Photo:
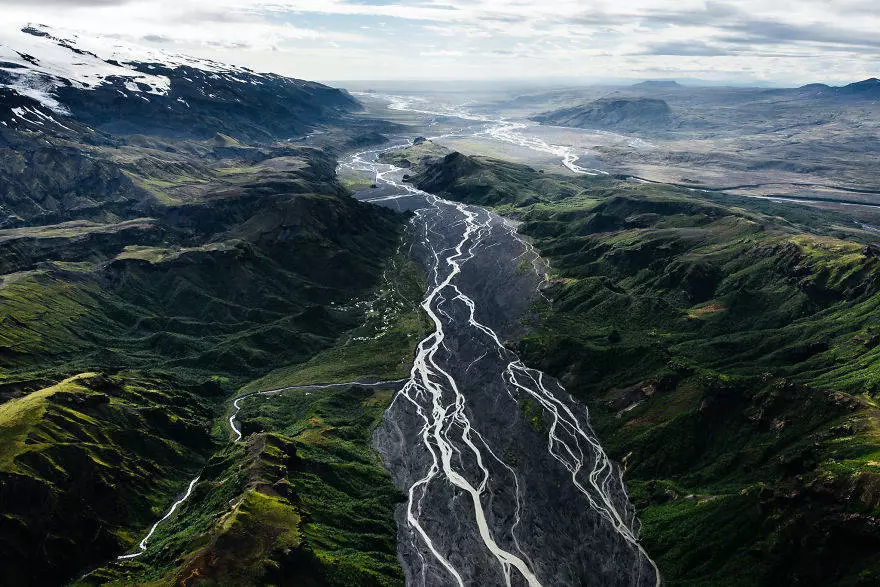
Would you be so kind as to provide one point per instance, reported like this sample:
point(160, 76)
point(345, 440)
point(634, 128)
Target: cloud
point(157, 39)
point(772, 32)
point(338, 39)
point(229, 45)
point(441, 53)
point(686, 48)
point(65, 3)
point(733, 24)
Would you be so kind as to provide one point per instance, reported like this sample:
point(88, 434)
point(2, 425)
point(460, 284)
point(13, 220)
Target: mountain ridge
point(49, 77)
point(171, 229)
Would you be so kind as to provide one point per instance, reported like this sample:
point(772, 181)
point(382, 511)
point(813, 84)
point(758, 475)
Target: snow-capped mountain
point(60, 80)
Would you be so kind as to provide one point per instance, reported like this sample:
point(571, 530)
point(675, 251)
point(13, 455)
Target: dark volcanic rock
point(200, 103)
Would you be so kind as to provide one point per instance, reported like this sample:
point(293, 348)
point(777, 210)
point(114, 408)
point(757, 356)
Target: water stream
point(506, 482)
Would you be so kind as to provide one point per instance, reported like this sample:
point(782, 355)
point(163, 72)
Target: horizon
point(441, 85)
point(737, 43)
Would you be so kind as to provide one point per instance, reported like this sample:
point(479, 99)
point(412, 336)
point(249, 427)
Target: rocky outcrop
point(42, 183)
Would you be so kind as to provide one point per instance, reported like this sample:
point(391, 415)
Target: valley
point(472, 414)
point(716, 341)
point(262, 331)
point(147, 275)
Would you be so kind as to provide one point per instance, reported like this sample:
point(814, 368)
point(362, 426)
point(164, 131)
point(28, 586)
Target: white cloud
point(789, 41)
point(441, 53)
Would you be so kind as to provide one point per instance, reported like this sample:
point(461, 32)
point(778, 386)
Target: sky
point(769, 42)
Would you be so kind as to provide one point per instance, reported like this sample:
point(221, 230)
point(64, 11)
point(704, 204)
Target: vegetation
point(155, 256)
point(250, 259)
point(380, 349)
point(479, 180)
point(305, 499)
point(86, 463)
point(728, 349)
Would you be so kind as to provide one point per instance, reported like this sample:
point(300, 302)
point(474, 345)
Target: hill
point(728, 351)
point(868, 89)
point(164, 242)
point(660, 84)
point(616, 113)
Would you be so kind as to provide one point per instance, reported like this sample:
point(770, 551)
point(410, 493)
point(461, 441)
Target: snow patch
point(43, 61)
point(40, 60)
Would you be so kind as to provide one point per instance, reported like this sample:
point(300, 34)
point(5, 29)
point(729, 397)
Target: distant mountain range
point(658, 84)
point(866, 89)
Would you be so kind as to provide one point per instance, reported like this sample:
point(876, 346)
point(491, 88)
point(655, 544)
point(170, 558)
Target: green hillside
point(728, 350)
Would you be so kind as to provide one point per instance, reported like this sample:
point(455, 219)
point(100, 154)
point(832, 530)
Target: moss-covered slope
point(728, 350)
point(304, 499)
point(228, 261)
point(86, 462)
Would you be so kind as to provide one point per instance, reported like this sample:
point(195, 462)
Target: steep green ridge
point(304, 499)
point(728, 349)
point(86, 462)
point(216, 263)
point(230, 284)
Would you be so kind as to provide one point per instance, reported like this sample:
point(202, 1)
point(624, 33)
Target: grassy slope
point(305, 500)
point(86, 462)
point(478, 180)
point(379, 349)
point(726, 361)
point(221, 286)
point(729, 351)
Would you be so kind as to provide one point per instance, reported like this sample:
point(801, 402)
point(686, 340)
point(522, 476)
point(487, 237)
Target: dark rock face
point(619, 113)
point(10, 99)
point(41, 182)
point(252, 107)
